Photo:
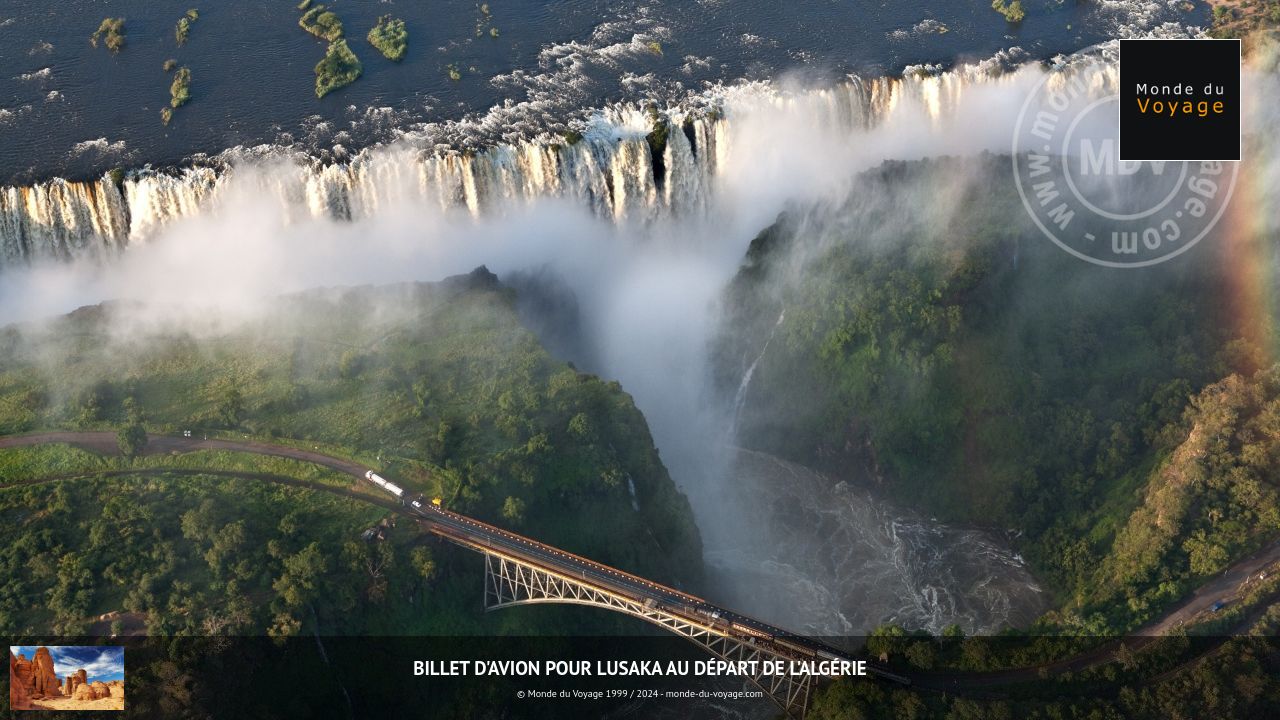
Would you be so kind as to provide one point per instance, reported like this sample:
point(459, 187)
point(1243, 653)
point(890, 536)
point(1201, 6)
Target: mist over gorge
point(646, 232)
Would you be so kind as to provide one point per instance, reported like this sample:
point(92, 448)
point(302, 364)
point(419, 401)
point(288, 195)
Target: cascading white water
point(611, 169)
point(740, 398)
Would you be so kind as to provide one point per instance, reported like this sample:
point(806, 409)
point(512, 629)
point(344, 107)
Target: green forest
point(1126, 425)
point(437, 386)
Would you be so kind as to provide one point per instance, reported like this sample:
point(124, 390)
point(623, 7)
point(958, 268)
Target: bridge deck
point(482, 537)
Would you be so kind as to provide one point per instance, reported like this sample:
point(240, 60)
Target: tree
point(422, 561)
point(231, 407)
point(132, 439)
point(513, 510)
point(922, 654)
point(349, 365)
point(580, 427)
point(302, 572)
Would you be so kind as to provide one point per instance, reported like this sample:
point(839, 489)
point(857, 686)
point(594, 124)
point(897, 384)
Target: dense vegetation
point(1248, 19)
point(111, 32)
point(190, 556)
point(981, 372)
point(182, 30)
point(390, 37)
point(322, 23)
point(339, 67)
point(180, 88)
point(1126, 424)
point(1235, 680)
point(1012, 11)
point(437, 386)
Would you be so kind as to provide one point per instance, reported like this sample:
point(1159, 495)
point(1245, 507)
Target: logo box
point(1180, 100)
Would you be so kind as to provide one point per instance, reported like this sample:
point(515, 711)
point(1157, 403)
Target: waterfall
point(610, 167)
point(740, 398)
point(631, 488)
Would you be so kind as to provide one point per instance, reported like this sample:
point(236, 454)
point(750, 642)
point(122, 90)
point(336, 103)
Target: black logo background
point(1181, 137)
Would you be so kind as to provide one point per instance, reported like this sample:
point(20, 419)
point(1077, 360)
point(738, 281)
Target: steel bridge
point(522, 571)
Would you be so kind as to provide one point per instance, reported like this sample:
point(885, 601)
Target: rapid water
point(72, 110)
point(613, 170)
point(840, 561)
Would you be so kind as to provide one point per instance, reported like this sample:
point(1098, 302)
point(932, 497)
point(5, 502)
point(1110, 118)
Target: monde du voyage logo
point(1136, 177)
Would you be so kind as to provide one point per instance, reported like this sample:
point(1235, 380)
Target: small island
point(322, 23)
point(1012, 11)
point(339, 68)
point(183, 28)
point(111, 32)
point(390, 37)
point(180, 90)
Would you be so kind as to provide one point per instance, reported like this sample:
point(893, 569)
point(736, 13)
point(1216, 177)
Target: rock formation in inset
point(19, 697)
point(34, 686)
point(74, 680)
point(44, 680)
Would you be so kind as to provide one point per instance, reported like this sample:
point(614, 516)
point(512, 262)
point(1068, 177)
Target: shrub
point(180, 90)
point(339, 67)
point(132, 439)
point(111, 32)
point(390, 37)
point(1012, 12)
point(321, 23)
point(183, 28)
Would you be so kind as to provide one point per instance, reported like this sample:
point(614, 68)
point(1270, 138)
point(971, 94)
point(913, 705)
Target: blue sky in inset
point(101, 663)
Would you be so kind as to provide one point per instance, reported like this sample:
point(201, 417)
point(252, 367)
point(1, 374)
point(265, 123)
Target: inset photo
point(66, 677)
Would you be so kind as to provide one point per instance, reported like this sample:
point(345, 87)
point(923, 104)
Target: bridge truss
point(509, 581)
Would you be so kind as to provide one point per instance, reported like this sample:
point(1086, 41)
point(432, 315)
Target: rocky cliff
point(19, 698)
